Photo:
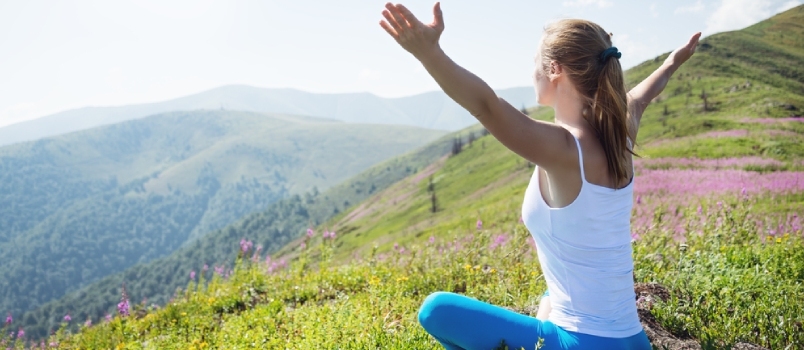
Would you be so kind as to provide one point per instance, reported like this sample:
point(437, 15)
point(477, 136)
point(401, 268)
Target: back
point(585, 253)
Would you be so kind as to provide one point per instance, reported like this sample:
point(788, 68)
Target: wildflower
point(498, 241)
point(521, 221)
point(9, 319)
point(310, 232)
point(20, 334)
point(67, 318)
point(245, 245)
point(303, 245)
point(479, 224)
point(467, 266)
point(743, 191)
point(778, 240)
point(700, 210)
point(122, 306)
point(639, 199)
point(432, 240)
point(219, 270)
point(88, 323)
point(206, 267)
point(396, 246)
point(54, 344)
point(108, 318)
point(332, 235)
point(192, 275)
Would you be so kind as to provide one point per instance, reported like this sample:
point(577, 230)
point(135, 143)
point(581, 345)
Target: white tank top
point(585, 253)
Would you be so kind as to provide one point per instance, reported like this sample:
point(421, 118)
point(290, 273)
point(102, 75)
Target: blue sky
point(58, 55)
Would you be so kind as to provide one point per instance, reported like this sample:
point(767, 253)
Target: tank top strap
point(580, 157)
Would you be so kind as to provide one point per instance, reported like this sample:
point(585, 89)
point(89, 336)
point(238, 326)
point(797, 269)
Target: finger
point(397, 16)
point(438, 21)
point(388, 29)
point(694, 41)
point(391, 21)
point(409, 17)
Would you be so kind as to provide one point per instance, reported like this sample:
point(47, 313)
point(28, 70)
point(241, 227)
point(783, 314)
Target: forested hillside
point(82, 206)
point(270, 229)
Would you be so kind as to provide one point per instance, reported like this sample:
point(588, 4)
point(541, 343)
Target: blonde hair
point(577, 46)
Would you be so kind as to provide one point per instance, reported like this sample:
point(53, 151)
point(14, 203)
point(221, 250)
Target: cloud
point(585, 3)
point(697, 7)
point(653, 11)
point(788, 5)
point(737, 14)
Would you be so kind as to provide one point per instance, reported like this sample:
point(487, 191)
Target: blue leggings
point(462, 323)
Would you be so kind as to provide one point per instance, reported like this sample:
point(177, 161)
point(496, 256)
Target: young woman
point(579, 200)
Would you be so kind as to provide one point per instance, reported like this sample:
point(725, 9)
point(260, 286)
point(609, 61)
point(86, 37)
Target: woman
point(578, 203)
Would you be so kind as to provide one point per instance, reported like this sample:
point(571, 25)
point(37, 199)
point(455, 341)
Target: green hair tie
point(612, 51)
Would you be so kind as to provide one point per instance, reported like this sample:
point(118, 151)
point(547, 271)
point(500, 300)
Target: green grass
point(727, 285)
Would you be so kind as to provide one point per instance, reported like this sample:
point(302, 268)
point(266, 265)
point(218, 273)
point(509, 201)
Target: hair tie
point(612, 51)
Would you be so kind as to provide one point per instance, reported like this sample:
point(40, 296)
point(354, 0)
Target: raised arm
point(544, 144)
point(640, 96)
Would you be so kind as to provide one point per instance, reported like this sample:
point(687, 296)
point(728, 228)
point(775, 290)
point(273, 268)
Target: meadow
point(722, 237)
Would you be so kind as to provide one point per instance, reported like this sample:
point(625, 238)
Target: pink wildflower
point(479, 224)
point(192, 275)
point(67, 318)
point(9, 319)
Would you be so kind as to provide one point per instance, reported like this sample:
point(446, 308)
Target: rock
point(747, 346)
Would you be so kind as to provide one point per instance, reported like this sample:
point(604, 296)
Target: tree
point(457, 145)
point(705, 97)
point(433, 199)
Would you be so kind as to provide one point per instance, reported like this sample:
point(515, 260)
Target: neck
point(569, 106)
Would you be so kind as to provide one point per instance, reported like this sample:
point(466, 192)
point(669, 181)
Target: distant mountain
point(431, 110)
point(78, 207)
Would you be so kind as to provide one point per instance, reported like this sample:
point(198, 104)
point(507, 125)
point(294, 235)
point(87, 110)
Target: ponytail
point(610, 115)
point(584, 50)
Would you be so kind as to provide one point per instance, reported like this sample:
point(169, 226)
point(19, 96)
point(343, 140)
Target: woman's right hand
point(683, 53)
point(414, 36)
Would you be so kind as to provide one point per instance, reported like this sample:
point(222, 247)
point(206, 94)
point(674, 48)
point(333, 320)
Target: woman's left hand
point(414, 36)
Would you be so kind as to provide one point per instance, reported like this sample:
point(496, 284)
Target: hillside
point(727, 176)
point(431, 110)
point(78, 207)
point(269, 229)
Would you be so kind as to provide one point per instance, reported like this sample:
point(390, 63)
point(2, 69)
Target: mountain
point(431, 110)
point(487, 181)
point(270, 229)
point(78, 207)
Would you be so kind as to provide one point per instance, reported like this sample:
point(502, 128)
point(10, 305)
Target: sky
point(60, 55)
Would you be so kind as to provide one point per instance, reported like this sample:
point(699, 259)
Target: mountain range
point(431, 110)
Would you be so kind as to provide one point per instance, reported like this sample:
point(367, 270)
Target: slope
point(81, 206)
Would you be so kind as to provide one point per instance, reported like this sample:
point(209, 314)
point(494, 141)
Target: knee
point(432, 310)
